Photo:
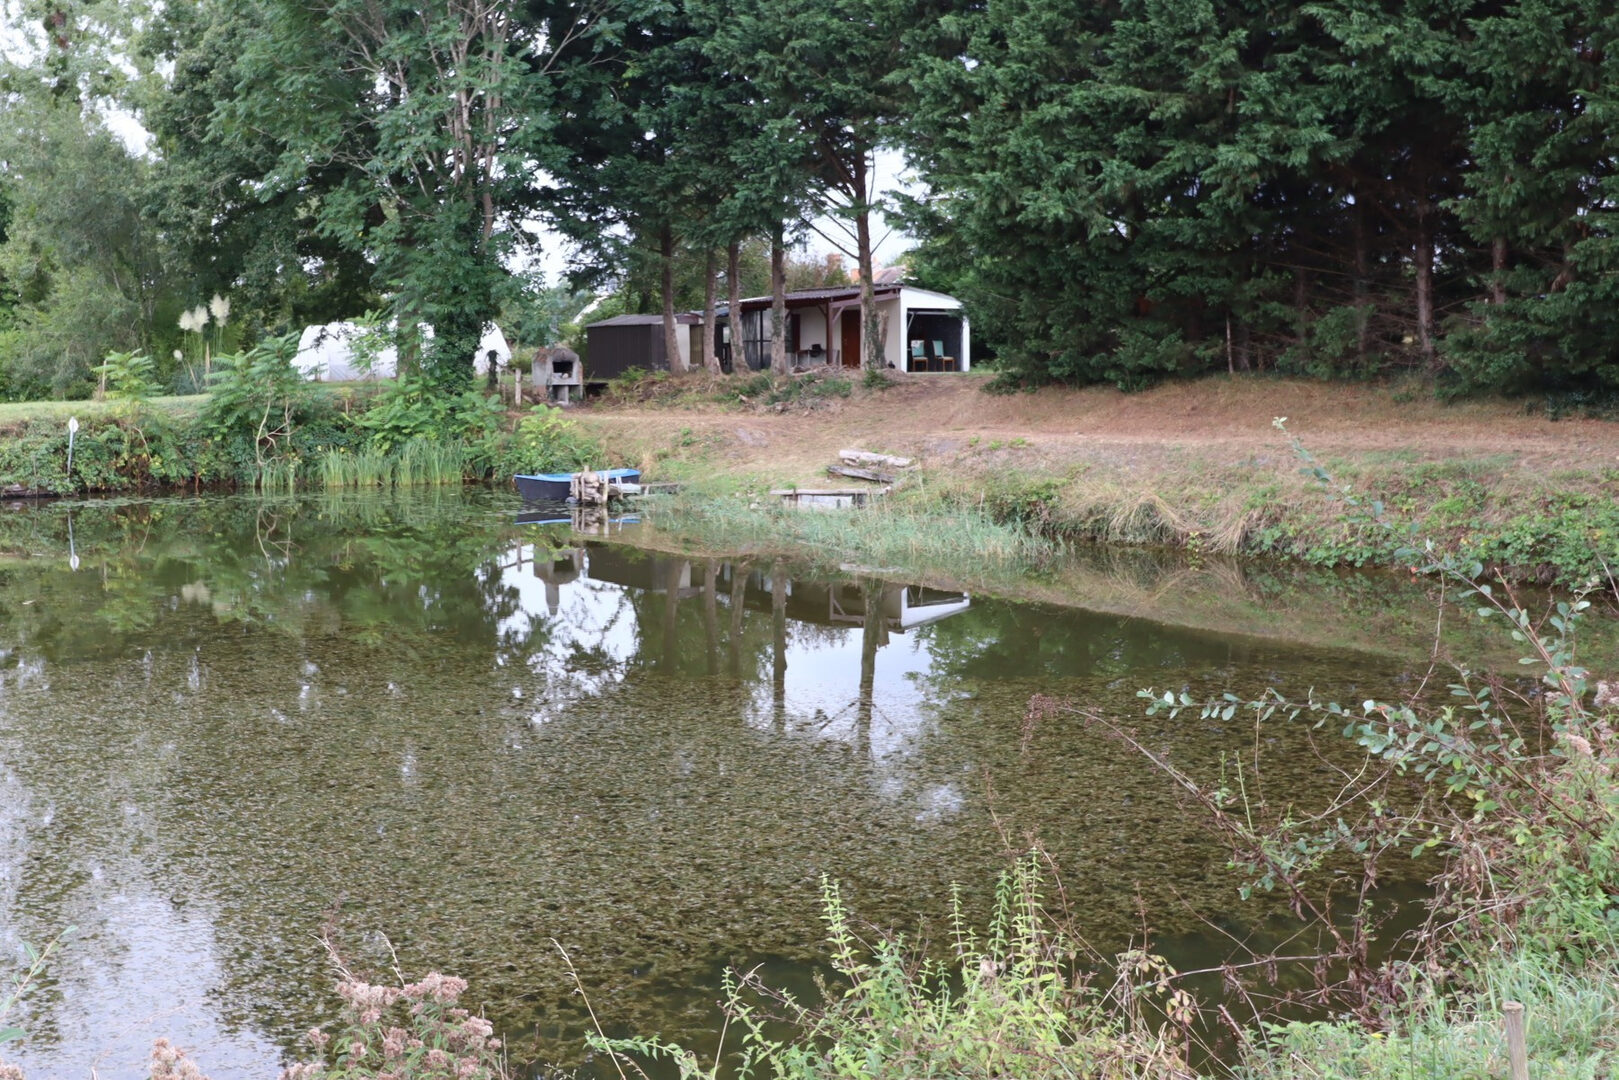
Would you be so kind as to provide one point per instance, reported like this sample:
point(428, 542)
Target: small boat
point(555, 487)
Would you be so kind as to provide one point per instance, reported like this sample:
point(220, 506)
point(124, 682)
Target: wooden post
point(1517, 1045)
point(517, 386)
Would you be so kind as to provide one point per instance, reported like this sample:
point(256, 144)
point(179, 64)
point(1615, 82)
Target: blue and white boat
point(555, 487)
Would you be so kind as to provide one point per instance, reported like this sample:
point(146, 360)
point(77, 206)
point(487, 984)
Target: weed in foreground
point(1008, 1003)
point(37, 959)
point(1511, 791)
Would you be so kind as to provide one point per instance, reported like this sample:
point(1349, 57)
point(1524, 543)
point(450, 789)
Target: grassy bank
point(1192, 466)
point(264, 428)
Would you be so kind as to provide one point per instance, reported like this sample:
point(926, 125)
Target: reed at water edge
point(417, 463)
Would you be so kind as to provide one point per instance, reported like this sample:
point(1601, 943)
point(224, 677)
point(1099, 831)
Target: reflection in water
point(239, 720)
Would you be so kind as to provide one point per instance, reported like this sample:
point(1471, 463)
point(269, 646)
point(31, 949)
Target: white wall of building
point(330, 353)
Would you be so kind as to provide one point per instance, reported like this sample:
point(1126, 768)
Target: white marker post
point(72, 430)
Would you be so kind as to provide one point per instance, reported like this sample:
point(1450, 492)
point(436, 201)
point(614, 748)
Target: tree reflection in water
point(238, 717)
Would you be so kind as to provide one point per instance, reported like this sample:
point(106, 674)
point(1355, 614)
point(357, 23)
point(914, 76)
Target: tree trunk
point(711, 353)
point(1498, 264)
point(1423, 257)
point(778, 304)
point(672, 573)
point(873, 636)
point(733, 316)
point(711, 615)
point(1301, 307)
point(1363, 316)
point(671, 336)
point(739, 585)
point(778, 634)
point(871, 348)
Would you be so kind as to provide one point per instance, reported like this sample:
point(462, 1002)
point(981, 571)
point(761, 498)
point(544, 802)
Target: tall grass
point(276, 477)
point(1573, 1018)
point(425, 462)
point(417, 463)
point(889, 535)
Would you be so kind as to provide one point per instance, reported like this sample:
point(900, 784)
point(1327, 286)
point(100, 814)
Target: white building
point(922, 330)
point(331, 353)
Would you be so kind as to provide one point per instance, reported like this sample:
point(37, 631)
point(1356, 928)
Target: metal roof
point(683, 318)
point(813, 296)
point(836, 292)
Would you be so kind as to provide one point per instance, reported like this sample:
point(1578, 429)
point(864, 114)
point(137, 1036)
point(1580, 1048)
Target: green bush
point(547, 441)
point(417, 407)
point(254, 397)
point(876, 379)
point(129, 377)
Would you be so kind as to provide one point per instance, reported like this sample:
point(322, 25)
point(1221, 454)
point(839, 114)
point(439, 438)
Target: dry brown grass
point(1214, 422)
point(1196, 465)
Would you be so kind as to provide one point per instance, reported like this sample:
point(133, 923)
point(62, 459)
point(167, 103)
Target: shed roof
point(683, 318)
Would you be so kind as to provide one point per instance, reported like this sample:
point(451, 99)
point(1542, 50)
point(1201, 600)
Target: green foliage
point(1571, 539)
point(81, 262)
point(256, 394)
point(547, 441)
point(112, 453)
point(431, 126)
point(876, 379)
point(129, 377)
point(37, 960)
point(1528, 830)
point(1006, 1004)
point(634, 383)
point(1125, 193)
point(916, 536)
point(416, 463)
point(1565, 539)
point(1437, 1036)
point(810, 391)
point(416, 407)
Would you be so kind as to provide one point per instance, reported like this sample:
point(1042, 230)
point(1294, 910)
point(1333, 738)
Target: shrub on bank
point(260, 430)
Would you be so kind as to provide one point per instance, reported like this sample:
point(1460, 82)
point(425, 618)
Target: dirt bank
point(1194, 464)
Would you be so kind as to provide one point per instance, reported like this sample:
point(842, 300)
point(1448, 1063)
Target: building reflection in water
point(841, 658)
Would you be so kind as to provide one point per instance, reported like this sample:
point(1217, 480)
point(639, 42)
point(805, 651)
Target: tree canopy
point(1121, 193)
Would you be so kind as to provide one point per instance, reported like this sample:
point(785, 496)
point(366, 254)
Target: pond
point(454, 739)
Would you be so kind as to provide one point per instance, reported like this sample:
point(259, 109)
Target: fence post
point(1517, 1045)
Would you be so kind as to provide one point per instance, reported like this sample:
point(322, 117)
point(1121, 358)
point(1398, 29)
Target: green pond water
point(225, 723)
